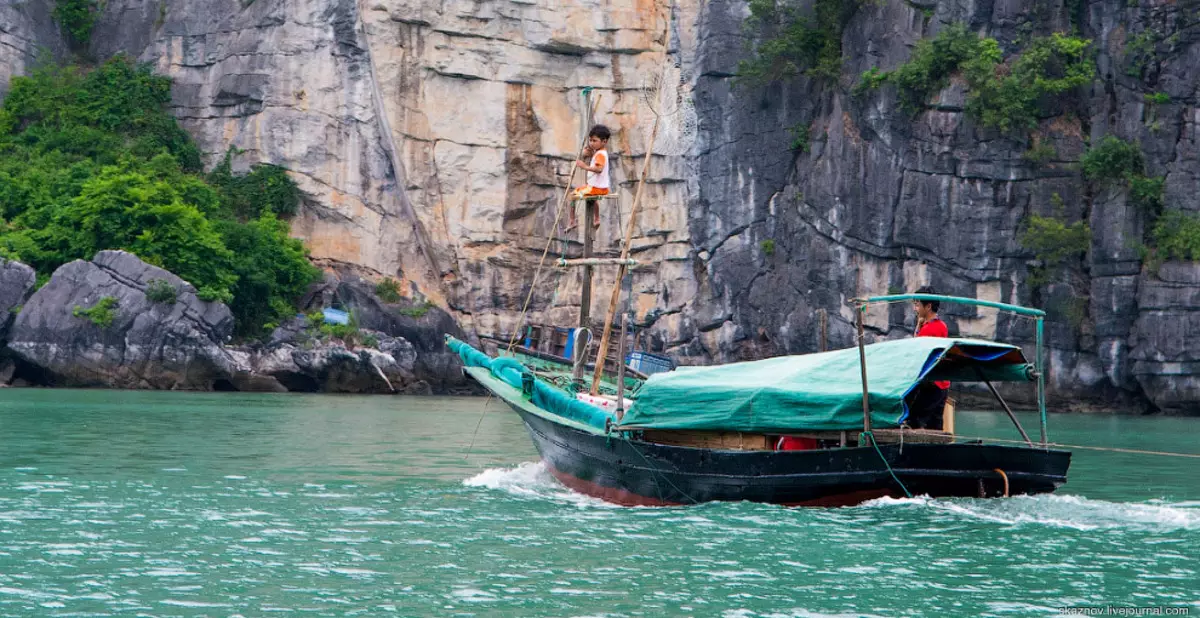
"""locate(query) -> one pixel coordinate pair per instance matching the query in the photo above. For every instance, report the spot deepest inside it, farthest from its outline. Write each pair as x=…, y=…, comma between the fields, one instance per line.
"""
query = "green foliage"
x=1140, y=52
x=768, y=247
x=91, y=160
x=349, y=334
x=1157, y=98
x=1039, y=153
x=1055, y=244
x=101, y=314
x=417, y=311
x=161, y=291
x=1005, y=95
x=1146, y=194
x=871, y=79
x=1111, y=160
x=799, y=135
x=1177, y=236
x=1048, y=67
x=1114, y=160
x=266, y=189
x=77, y=17
x=934, y=60
x=388, y=290
x=792, y=44
x=272, y=270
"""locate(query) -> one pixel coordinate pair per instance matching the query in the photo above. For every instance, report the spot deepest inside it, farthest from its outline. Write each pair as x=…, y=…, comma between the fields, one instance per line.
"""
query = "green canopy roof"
x=815, y=391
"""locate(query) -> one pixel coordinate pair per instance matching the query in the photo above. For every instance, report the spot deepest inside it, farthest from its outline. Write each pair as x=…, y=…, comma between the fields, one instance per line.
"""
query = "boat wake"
x=531, y=480
x=1062, y=511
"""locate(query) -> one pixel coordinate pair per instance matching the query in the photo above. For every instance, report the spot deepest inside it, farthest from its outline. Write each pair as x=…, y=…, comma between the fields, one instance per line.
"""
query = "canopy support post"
x=621, y=371
x=862, y=363
x=1007, y=410
x=1041, y=385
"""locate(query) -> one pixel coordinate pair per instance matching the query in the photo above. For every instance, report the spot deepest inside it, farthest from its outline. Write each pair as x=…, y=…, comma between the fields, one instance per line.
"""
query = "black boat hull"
x=633, y=472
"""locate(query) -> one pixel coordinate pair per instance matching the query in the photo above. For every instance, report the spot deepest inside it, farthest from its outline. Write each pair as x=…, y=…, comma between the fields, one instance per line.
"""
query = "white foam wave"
x=531, y=480
x=1063, y=511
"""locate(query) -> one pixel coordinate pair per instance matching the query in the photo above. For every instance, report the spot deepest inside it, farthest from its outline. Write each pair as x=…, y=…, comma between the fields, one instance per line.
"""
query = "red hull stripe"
x=607, y=494
x=626, y=498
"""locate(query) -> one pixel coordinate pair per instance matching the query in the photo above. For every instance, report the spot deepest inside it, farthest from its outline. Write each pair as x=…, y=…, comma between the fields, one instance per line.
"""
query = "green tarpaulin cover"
x=815, y=391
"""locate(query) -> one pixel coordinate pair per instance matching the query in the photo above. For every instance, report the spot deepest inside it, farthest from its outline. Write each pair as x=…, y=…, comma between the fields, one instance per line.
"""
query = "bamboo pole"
x=597, y=262
x=862, y=362
x=605, y=335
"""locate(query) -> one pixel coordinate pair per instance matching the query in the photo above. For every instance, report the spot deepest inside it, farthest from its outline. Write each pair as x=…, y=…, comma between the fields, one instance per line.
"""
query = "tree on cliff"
x=90, y=160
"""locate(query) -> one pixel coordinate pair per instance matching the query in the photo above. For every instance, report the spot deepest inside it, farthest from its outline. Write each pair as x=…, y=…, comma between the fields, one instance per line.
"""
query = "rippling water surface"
x=184, y=504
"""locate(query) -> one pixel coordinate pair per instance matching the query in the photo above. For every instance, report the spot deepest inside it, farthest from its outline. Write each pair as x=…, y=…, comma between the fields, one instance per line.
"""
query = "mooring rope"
x=1111, y=449
x=887, y=464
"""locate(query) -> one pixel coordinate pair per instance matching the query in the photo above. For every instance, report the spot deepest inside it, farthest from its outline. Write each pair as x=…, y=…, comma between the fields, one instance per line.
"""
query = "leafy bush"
x=101, y=314
x=871, y=79
x=793, y=44
x=417, y=311
x=1039, y=153
x=388, y=290
x=934, y=60
x=161, y=291
x=768, y=247
x=799, y=135
x=1111, y=160
x=1177, y=235
x=1047, y=67
x=1140, y=52
x=1146, y=194
x=1157, y=98
x=265, y=189
x=90, y=160
x=1004, y=95
x=1054, y=244
x=77, y=18
x=272, y=270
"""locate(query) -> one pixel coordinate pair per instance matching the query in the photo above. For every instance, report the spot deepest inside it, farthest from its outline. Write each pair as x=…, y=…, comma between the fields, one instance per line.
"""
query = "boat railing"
x=1037, y=315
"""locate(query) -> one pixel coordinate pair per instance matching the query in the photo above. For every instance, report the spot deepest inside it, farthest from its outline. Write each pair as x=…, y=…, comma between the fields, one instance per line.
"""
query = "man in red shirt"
x=927, y=401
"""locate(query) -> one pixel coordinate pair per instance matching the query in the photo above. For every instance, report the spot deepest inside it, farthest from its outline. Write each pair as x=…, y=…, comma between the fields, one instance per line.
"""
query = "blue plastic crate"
x=648, y=363
x=336, y=316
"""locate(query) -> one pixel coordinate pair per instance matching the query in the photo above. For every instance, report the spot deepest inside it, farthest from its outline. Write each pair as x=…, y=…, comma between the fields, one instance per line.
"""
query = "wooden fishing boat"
x=702, y=434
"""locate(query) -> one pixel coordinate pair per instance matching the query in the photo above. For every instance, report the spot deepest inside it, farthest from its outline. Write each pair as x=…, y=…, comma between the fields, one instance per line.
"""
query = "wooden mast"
x=602, y=354
x=589, y=211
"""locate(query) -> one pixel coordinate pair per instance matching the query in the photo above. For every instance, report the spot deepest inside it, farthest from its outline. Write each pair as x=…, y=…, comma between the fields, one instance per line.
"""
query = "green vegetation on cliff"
x=77, y=18
x=1004, y=94
x=90, y=160
x=792, y=43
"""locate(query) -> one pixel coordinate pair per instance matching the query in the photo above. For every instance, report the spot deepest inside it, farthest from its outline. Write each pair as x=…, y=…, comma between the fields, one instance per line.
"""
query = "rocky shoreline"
x=118, y=322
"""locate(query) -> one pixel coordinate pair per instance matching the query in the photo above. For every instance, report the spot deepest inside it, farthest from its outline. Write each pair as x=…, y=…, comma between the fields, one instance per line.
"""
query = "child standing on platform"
x=597, y=171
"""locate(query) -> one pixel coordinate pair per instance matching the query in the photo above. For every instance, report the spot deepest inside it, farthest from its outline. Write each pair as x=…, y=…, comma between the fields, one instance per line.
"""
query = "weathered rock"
x=353, y=98
x=303, y=363
x=16, y=285
x=147, y=344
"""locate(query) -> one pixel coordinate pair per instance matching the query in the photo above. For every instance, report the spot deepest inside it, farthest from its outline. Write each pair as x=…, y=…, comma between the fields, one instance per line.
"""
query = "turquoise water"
x=182, y=504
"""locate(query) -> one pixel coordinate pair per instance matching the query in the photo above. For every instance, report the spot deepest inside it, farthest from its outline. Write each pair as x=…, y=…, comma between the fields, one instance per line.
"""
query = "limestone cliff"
x=431, y=140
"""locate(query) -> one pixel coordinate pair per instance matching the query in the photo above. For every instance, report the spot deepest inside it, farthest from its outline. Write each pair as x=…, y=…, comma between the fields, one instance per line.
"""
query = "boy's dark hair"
x=601, y=132
x=933, y=304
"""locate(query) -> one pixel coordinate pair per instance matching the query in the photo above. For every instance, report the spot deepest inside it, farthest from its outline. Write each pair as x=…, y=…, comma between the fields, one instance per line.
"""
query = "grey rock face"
x=16, y=285
x=147, y=345
x=430, y=138
x=297, y=361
